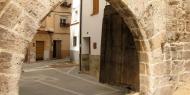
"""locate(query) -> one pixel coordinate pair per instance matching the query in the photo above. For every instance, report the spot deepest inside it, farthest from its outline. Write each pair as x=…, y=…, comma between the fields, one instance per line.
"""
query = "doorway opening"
x=119, y=58
x=57, y=49
x=122, y=59
x=86, y=54
x=87, y=43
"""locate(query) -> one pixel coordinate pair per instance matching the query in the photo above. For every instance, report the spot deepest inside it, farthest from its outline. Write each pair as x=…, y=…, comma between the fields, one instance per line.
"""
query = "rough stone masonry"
x=161, y=29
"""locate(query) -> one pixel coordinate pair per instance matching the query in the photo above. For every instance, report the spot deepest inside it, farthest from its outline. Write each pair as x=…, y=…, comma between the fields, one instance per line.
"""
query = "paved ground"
x=40, y=79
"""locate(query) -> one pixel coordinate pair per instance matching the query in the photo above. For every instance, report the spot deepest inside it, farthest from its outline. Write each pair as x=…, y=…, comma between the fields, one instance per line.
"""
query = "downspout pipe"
x=80, y=50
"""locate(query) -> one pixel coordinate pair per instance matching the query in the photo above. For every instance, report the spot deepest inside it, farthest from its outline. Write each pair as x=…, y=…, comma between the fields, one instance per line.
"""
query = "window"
x=74, y=41
x=95, y=7
x=76, y=11
x=63, y=21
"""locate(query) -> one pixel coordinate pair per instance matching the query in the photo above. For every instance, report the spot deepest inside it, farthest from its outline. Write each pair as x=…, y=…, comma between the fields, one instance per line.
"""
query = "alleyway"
x=43, y=78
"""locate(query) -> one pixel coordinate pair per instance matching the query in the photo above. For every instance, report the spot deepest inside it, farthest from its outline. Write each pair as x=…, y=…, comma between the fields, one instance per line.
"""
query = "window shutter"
x=95, y=7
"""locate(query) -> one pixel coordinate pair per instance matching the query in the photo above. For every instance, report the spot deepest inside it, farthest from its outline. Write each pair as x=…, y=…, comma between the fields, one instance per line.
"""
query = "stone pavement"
x=40, y=79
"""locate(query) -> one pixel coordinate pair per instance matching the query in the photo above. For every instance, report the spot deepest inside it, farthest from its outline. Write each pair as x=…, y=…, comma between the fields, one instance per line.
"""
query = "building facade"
x=75, y=31
x=52, y=40
x=92, y=17
x=160, y=29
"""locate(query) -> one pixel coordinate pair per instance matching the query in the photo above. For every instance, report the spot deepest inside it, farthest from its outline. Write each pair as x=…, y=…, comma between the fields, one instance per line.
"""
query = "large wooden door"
x=119, y=60
x=39, y=50
x=57, y=49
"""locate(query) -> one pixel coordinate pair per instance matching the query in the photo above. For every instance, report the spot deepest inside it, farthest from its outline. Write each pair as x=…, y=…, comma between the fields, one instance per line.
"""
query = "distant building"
x=53, y=38
x=92, y=18
x=75, y=32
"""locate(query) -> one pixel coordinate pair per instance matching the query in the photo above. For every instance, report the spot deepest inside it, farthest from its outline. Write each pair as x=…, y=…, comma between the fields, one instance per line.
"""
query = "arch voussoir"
x=19, y=20
x=147, y=25
x=161, y=37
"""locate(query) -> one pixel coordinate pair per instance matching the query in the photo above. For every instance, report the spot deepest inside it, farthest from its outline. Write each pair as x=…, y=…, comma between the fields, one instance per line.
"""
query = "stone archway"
x=146, y=21
x=142, y=46
x=19, y=20
x=163, y=40
x=119, y=58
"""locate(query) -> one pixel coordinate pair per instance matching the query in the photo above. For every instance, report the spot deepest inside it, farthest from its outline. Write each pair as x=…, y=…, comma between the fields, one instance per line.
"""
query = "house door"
x=39, y=50
x=85, y=66
x=119, y=60
x=57, y=49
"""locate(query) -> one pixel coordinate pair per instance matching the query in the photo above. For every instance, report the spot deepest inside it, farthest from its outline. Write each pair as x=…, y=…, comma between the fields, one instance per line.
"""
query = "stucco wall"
x=92, y=25
x=47, y=47
x=75, y=31
x=51, y=23
x=65, y=44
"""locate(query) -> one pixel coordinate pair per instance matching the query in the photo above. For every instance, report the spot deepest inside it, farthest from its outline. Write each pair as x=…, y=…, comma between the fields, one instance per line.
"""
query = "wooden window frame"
x=74, y=41
x=95, y=7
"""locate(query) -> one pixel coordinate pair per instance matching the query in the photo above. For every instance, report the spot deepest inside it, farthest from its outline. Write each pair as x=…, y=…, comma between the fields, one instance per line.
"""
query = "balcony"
x=66, y=4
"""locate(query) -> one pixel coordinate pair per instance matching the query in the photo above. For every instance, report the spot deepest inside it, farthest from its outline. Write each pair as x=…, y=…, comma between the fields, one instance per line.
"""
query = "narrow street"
x=56, y=78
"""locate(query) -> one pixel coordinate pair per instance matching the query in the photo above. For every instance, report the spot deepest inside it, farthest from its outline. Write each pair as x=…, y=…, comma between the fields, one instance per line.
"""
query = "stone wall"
x=85, y=60
x=19, y=20
x=47, y=47
x=91, y=64
x=178, y=41
x=160, y=29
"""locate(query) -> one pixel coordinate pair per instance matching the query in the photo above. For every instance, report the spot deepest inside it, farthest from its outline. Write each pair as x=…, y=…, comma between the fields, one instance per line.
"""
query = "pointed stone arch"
x=19, y=20
x=142, y=45
x=140, y=16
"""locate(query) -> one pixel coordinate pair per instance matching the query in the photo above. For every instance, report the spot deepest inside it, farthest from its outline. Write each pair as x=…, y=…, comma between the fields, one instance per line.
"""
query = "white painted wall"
x=75, y=28
x=85, y=45
x=92, y=25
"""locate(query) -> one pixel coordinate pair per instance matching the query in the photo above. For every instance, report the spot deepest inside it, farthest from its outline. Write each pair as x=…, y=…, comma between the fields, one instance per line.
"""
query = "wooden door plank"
x=119, y=60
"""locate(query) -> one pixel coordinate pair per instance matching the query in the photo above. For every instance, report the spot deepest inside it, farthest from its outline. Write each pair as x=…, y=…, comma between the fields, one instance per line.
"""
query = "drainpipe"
x=80, y=54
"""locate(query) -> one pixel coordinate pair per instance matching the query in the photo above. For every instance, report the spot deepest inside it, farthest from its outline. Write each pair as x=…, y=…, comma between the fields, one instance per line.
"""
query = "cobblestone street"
x=40, y=79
